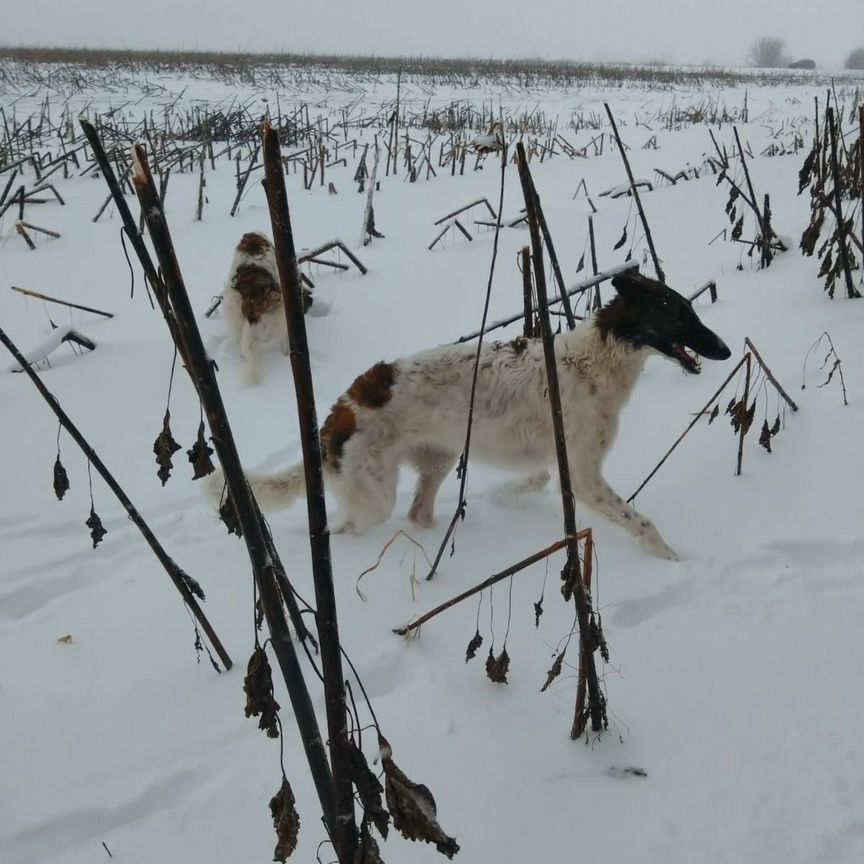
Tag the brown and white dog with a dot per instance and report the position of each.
(414, 411)
(252, 301)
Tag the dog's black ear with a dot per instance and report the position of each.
(625, 283)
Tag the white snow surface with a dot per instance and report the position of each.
(735, 675)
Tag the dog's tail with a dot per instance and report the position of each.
(272, 491)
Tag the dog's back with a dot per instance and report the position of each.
(254, 277)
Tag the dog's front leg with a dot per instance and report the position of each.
(598, 494)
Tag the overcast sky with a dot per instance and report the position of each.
(685, 31)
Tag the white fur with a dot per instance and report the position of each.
(424, 424)
(250, 337)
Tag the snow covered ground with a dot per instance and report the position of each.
(735, 675)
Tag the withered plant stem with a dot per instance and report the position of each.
(486, 583)
(343, 830)
(572, 574)
(635, 193)
(851, 291)
(262, 555)
(175, 573)
(463, 479)
(693, 422)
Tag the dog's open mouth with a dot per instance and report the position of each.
(688, 362)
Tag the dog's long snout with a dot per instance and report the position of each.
(706, 343)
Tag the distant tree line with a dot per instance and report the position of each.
(769, 52)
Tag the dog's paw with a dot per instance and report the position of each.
(664, 551)
(421, 520)
(251, 376)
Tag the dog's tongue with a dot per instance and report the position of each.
(689, 361)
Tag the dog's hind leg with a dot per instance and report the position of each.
(598, 494)
(433, 466)
(249, 352)
(366, 487)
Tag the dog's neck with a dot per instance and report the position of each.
(611, 363)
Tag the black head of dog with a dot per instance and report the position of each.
(648, 314)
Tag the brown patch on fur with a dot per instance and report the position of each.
(254, 244)
(259, 291)
(519, 344)
(340, 425)
(373, 388)
(609, 317)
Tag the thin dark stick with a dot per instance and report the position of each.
(579, 288)
(344, 828)
(129, 223)
(29, 293)
(19, 227)
(201, 182)
(261, 553)
(770, 375)
(743, 425)
(486, 583)
(461, 503)
(572, 575)
(693, 422)
(180, 579)
(8, 186)
(861, 166)
(766, 251)
(635, 193)
(553, 260)
(241, 185)
(334, 244)
(579, 718)
(597, 301)
(527, 293)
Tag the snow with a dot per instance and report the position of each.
(735, 673)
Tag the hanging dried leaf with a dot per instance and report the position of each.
(810, 236)
(228, 515)
(367, 851)
(554, 672)
(733, 197)
(623, 239)
(538, 611)
(61, 480)
(369, 790)
(827, 264)
(765, 436)
(165, 447)
(737, 412)
(412, 806)
(831, 372)
(806, 171)
(286, 821)
(581, 265)
(738, 230)
(473, 645)
(200, 455)
(192, 584)
(776, 427)
(97, 530)
(733, 215)
(747, 417)
(714, 414)
(600, 637)
(258, 687)
(497, 667)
